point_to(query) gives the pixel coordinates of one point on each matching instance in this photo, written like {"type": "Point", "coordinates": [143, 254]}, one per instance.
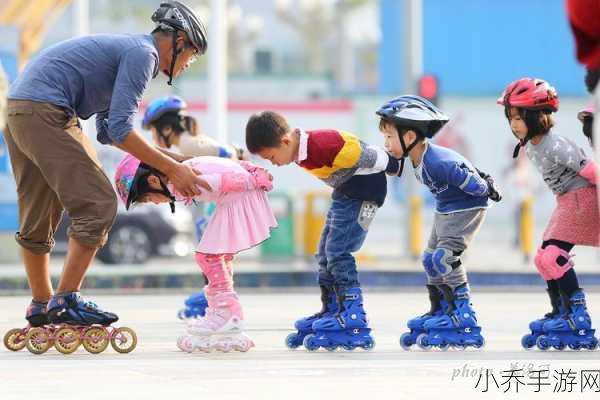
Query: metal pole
{"type": "Point", "coordinates": [413, 48]}
{"type": "Point", "coordinates": [217, 71]}
{"type": "Point", "coordinates": [81, 17]}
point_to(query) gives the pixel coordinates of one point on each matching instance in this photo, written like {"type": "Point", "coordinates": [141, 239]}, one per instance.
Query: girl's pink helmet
{"type": "Point", "coordinates": [125, 178]}
{"type": "Point", "coordinates": [530, 93]}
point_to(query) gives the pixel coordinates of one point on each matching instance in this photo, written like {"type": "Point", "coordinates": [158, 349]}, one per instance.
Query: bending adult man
{"type": "Point", "coordinates": [55, 165]}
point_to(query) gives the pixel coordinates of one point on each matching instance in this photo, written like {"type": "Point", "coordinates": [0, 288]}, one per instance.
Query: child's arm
{"type": "Point", "coordinates": [258, 178]}
{"type": "Point", "coordinates": [590, 171]}
{"type": "Point", "coordinates": [355, 154]}
{"type": "Point", "coordinates": [570, 155]}
{"type": "Point", "coordinates": [461, 176]}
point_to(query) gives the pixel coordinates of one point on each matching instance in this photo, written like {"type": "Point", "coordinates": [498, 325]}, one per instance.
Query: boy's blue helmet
{"type": "Point", "coordinates": [160, 107]}
{"type": "Point", "coordinates": [415, 113]}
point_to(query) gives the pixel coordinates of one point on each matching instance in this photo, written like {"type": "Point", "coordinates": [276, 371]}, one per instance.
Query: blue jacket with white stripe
{"type": "Point", "coordinates": [452, 180]}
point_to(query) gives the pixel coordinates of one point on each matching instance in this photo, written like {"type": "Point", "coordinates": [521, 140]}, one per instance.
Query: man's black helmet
{"type": "Point", "coordinates": [175, 16]}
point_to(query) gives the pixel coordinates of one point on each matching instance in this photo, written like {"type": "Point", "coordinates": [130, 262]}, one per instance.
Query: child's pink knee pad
{"type": "Point", "coordinates": [546, 261]}
{"type": "Point", "coordinates": [214, 267]}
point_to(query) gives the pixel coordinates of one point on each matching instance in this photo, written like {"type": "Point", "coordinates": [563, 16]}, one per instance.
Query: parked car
{"type": "Point", "coordinates": [140, 233]}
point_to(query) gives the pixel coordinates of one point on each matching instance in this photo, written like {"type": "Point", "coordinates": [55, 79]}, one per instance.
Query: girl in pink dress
{"type": "Point", "coordinates": [243, 218]}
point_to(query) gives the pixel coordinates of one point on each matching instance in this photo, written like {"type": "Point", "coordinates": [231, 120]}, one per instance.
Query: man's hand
{"type": "Point", "coordinates": [186, 180]}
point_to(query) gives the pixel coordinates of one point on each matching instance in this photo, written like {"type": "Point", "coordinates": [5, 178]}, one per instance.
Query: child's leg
{"type": "Point", "coordinates": [350, 220]}
{"type": "Point", "coordinates": [325, 278]}
{"type": "Point", "coordinates": [458, 325]}
{"type": "Point", "coordinates": [222, 326]}
{"type": "Point", "coordinates": [454, 233]}
{"type": "Point", "coordinates": [214, 267]}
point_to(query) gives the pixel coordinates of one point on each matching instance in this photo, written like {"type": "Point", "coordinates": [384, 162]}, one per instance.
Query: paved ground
{"type": "Point", "coordinates": [157, 370]}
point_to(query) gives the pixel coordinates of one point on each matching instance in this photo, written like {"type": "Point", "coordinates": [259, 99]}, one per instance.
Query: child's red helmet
{"type": "Point", "coordinates": [530, 93]}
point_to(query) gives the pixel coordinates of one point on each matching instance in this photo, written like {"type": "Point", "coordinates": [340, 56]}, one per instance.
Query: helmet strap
{"type": "Point", "coordinates": [405, 151]}
{"type": "Point", "coordinates": [173, 58]}
{"type": "Point", "coordinates": [165, 138]}
{"type": "Point", "coordinates": [167, 193]}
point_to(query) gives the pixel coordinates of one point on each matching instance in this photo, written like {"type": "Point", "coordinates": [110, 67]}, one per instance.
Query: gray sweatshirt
{"type": "Point", "coordinates": [559, 160]}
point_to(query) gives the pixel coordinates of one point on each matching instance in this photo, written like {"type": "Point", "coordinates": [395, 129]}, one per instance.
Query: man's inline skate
{"type": "Point", "coordinates": [36, 316]}
{"type": "Point", "coordinates": [71, 321]}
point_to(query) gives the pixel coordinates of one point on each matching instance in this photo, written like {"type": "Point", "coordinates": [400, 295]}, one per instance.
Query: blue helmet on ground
{"type": "Point", "coordinates": [160, 107]}
{"type": "Point", "coordinates": [414, 112]}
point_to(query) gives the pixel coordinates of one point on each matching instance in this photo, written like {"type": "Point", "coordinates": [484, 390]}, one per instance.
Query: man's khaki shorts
{"type": "Point", "coordinates": [56, 168]}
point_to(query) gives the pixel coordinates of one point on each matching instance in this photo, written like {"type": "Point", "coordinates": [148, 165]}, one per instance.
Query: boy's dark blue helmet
{"type": "Point", "coordinates": [415, 113]}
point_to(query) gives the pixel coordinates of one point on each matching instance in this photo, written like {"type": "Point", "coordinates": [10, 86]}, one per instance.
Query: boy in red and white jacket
{"type": "Point", "coordinates": [356, 171]}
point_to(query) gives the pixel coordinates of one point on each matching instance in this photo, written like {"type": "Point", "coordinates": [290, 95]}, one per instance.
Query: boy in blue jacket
{"type": "Point", "coordinates": [461, 195]}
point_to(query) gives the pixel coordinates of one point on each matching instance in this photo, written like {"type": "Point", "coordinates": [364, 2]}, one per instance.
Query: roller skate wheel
{"type": "Point", "coordinates": [123, 340]}
{"type": "Point", "coordinates": [223, 347]}
{"type": "Point", "coordinates": [574, 346]}
{"type": "Point", "coordinates": [309, 342]}
{"type": "Point", "coordinates": [559, 346]}
{"type": "Point", "coordinates": [95, 340]}
{"type": "Point", "coordinates": [181, 314]}
{"type": "Point", "coordinates": [66, 340]}
{"type": "Point", "coordinates": [592, 345]}
{"type": "Point", "coordinates": [245, 345]}
{"type": "Point", "coordinates": [422, 341]}
{"type": "Point", "coordinates": [528, 341]}
{"type": "Point", "coordinates": [480, 343]}
{"type": "Point", "coordinates": [291, 341]}
{"type": "Point", "coordinates": [38, 341]}
{"type": "Point", "coordinates": [184, 343]}
{"type": "Point", "coordinates": [15, 339]}
{"type": "Point", "coordinates": [369, 345]}
{"type": "Point", "coordinates": [406, 341]}
{"type": "Point", "coordinates": [542, 343]}
{"type": "Point", "coordinates": [333, 348]}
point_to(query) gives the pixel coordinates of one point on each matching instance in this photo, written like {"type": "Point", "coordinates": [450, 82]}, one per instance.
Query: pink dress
{"type": "Point", "coordinates": [242, 219]}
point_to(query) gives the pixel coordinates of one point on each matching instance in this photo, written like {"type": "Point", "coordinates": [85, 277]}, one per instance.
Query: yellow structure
{"type": "Point", "coordinates": [415, 226]}
{"type": "Point", "coordinates": [526, 227]}
{"type": "Point", "coordinates": [317, 204]}
{"type": "Point", "coordinates": [32, 18]}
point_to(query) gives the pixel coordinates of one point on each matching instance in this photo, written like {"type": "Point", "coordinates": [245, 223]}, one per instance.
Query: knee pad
{"type": "Point", "coordinates": [443, 262]}
{"type": "Point", "coordinates": [553, 262]}
{"type": "Point", "coordinates": [427, 261]}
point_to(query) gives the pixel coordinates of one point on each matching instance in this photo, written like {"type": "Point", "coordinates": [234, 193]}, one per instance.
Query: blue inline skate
{"type": "Point", "coordinates": [537, 326]}
{"type": "Point", "coordinates": [348, 328]}
{"type": "Point", "coordinates": [573, 329]}
{"type": "Point", "coordinates": [438, 307]}
{"type": "Point", "coordinates": [195, 306]}
{"type": "Point", "coordinates": [304, 325]}
{"type": "Point", "coordinates": [457, 327]}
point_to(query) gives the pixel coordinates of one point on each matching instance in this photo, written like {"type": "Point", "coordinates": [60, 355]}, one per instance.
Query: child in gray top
{"type": "Point", "coordinates": [528, 105]}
